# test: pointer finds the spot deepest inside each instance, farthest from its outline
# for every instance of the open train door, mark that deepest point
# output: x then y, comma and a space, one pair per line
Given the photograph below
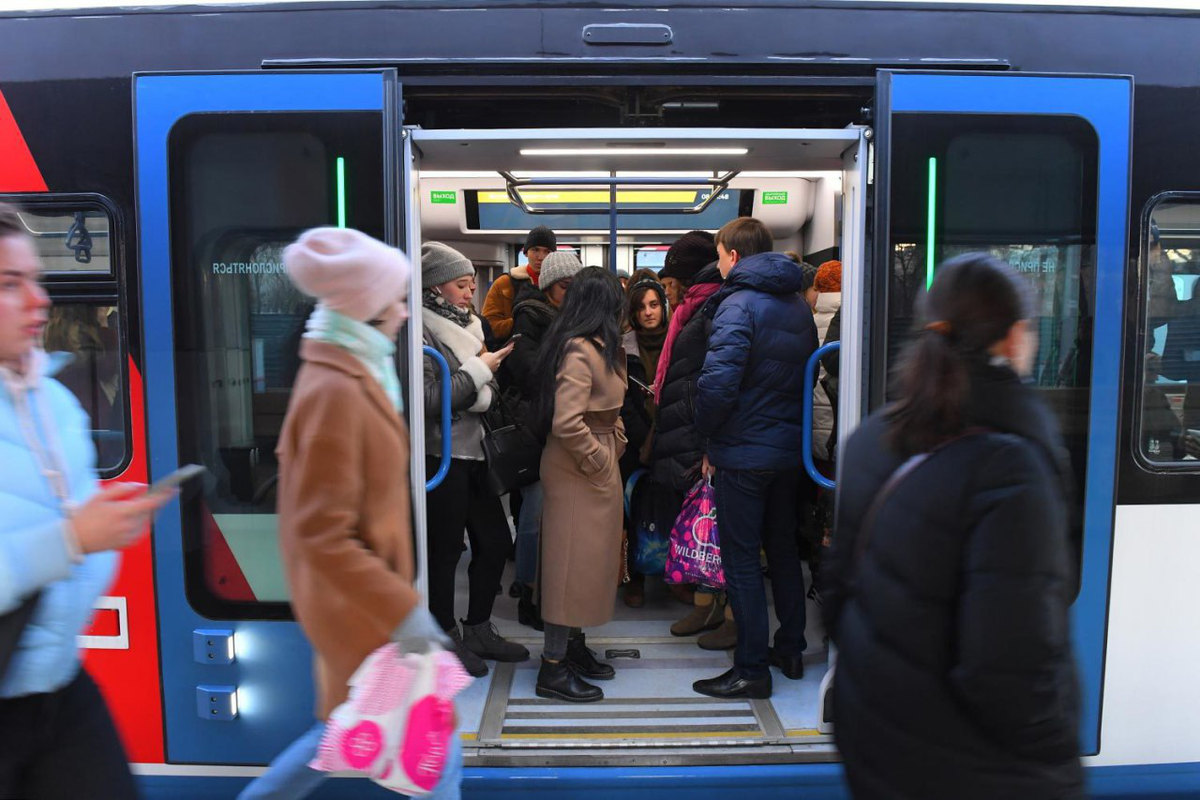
230, 168
1033, 169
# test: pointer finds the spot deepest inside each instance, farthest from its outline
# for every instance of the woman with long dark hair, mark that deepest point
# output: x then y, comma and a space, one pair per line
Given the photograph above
578, 410
950, 577
648, 315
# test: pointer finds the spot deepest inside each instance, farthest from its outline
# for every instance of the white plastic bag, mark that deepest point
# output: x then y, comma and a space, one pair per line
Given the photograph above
395, 728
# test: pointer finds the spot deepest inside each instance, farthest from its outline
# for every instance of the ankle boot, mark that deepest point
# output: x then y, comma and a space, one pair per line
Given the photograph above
635, 591
557, 681
723, 637
486, 642
584, 661
528, 613
702, 617
473, 664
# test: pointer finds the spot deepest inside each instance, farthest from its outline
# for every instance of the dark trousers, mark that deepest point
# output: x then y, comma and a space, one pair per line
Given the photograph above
461, 501
62, 745
757, 509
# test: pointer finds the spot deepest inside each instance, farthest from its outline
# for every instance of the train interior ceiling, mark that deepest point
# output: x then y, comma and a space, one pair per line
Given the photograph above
793, 181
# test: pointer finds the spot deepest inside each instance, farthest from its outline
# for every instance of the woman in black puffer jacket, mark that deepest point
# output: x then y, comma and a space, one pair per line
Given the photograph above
950, 578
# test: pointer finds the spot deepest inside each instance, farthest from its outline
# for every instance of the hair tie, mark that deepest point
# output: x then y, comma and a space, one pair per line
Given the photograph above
940, 326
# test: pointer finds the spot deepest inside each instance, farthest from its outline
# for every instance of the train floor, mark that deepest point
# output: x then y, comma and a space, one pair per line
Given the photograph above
649, 710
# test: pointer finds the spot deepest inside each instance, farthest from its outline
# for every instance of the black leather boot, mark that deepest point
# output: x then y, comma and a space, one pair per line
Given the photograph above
730, 684
584, 661
557, 681
528, 613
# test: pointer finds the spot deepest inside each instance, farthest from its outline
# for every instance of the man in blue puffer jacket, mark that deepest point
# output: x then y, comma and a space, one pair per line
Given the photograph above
748, 407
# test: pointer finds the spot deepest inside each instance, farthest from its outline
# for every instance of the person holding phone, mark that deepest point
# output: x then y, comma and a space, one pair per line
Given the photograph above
57, 554
462, 500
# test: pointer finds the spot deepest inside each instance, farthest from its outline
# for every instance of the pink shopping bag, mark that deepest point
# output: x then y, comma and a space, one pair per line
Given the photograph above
395, 728
695, 552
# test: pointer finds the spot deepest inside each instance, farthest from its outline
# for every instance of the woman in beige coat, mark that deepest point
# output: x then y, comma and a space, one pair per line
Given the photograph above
579, 410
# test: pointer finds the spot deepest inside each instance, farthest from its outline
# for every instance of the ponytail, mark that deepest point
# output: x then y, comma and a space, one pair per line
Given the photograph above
974, 301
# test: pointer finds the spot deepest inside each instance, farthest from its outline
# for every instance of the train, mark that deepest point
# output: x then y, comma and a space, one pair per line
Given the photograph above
163, 155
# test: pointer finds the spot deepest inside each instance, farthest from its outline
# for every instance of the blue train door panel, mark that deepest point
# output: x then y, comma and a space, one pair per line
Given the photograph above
1035, 170
230, 168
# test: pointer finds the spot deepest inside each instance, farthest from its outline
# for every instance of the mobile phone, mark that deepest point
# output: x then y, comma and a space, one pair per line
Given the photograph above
515, 336
642, 386
176, 478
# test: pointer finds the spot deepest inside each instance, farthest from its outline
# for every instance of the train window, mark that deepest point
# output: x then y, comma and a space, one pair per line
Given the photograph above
242, 187
1169, 419
91, 334
70, 240
1022, 188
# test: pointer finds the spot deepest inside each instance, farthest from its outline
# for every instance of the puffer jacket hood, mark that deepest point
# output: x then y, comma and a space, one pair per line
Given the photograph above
748, 396
772, 273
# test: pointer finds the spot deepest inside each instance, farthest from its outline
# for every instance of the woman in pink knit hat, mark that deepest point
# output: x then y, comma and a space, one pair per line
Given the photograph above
345, 528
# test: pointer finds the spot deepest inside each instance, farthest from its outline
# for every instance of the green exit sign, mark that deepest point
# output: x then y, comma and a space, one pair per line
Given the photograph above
774, 198
449, 198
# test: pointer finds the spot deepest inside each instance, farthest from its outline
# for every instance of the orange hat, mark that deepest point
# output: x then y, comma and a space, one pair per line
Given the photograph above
829, 277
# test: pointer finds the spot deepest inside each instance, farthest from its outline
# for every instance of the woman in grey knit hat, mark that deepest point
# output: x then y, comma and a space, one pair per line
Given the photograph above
452, 327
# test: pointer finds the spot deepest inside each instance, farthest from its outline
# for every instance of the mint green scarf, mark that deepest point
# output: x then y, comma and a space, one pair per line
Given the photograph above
367, 344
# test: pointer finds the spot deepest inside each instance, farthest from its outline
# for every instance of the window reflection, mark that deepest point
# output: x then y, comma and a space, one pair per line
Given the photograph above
91, 334
1170, 412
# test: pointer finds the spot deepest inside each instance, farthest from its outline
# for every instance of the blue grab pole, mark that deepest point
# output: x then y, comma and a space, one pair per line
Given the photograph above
806, 442
444, 467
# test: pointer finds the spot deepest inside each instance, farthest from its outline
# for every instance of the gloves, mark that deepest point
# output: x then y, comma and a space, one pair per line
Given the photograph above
418, 631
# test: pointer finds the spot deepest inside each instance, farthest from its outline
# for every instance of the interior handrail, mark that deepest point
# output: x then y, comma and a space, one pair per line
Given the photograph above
810, 385
444, 466
718, 185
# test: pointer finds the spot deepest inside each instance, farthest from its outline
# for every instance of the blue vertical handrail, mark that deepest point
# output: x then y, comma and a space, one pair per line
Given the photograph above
810, 385
444, 467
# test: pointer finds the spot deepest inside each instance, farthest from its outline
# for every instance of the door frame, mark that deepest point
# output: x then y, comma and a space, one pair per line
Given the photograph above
1106, 103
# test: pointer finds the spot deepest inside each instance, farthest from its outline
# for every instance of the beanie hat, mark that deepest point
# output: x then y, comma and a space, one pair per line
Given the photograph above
559, 266
829, 277
541, 236
691, 253
441, 263
348, 271
810, 275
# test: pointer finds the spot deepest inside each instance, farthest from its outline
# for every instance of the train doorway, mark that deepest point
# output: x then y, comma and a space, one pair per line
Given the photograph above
618, 197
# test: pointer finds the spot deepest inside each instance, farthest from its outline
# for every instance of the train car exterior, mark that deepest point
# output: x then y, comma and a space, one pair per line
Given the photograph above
107, 117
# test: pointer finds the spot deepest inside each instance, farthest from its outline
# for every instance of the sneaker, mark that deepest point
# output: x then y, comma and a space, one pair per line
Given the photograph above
723, 638
486, 642
701, 618
473, 664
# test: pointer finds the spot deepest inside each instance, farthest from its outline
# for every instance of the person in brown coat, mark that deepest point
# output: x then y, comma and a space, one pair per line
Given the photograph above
345, 528
578, 409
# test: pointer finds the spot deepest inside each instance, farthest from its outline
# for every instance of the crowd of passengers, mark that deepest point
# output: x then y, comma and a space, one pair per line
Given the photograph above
638, 385
946, 582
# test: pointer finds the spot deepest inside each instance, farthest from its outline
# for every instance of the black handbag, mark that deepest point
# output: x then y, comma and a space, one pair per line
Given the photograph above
511, 449
12, 625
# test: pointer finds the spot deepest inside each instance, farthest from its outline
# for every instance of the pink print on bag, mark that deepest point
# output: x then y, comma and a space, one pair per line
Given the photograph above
397, 724
695, 554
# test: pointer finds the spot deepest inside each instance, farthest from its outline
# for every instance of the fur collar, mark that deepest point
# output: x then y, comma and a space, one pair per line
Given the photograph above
462, 342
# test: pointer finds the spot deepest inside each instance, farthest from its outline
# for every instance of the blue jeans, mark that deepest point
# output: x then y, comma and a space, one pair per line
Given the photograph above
289, 775
529, 528
756, 509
